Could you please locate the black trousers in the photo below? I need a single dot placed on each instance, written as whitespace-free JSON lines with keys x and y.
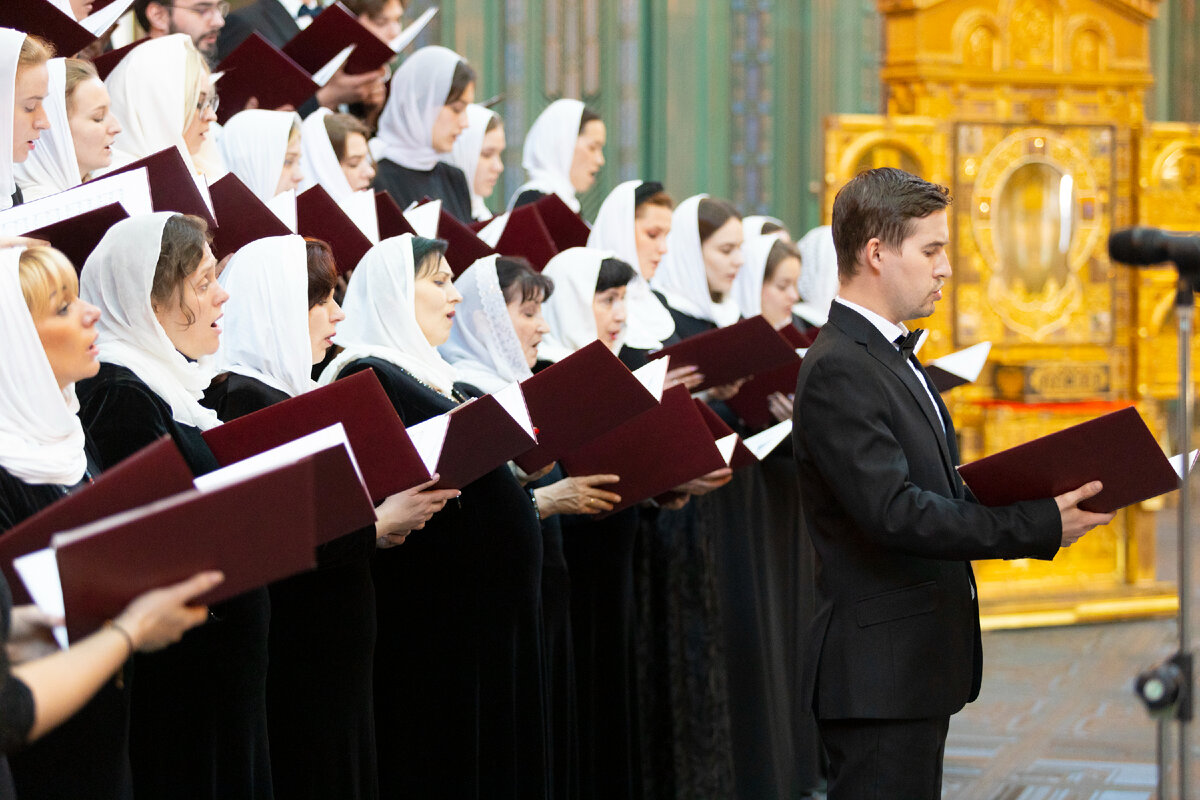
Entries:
{"x":885,"y":759}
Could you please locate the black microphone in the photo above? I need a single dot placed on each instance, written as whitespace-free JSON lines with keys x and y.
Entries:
{"x":1147,"y":246}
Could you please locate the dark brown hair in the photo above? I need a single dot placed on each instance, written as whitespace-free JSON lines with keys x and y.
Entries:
{"x":339,"y":126}
{"x":587,"y":116}
{"x":518,"y":279}
{"x":651,"y":193}
{"x":494,"y":121}
{"x":772,"y":227}
{"x":881,"y":204}
{"x":464,"y":76}
{"x":780,"y":251}
{"x":427,"y":254}
{"x":712,"y":214}
{"x":322,"y":271}
{"x":184,"y":238}
{"x":613,"y":273}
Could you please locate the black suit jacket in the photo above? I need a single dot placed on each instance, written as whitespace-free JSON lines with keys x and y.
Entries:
{"x":896,"y":632}
{"x":268,"y":17}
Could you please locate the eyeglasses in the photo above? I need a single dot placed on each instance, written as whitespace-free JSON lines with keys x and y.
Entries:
{"x":210,"y":103}
{"x":206,"y":9}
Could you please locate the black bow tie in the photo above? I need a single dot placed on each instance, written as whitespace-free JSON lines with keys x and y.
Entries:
{"x":308,"y":11}
{"x":908,"y":342}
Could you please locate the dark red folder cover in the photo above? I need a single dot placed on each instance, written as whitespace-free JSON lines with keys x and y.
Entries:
{"x":172,"y":187}
{"x":78,"y":236}
{"x":390,"y":217}
{"x":653,"y":452}
{"x":331,"y":32}
{"x":724,"y":355}
{"x":525,"y":234}
{"x":1117,"y":449}
{"x":256,"y":532}
{"x":319,"y":216}
{"x":566,"y":228}
{"x":241,"y":216}
{"x":150,"y":474}
{"x":585,"y":395}
{"x":942,"y":380}
{"x":742,"y":455}
{"x":258,"y":69}
{"x":105,"y":63}
{"x":481,"y":436}
{"x":388,"y":461}
{"x":750,"y":403}
{"x":464,"y":247}
{"x":43,"y":19}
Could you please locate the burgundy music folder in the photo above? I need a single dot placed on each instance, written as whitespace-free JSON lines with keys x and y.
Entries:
{"x":42,"y":18}
{"x":331,"y":31}
{"x":392,"y":221}
{"x":256,"y":532}
{"x":724,"y":355}
{"x":387,"y":459}
{"x":475,"y":438}
{"x":742,"y":455}
{"x":256,"y":68}
{"x":578,"y":399}
{"x":105,"y":63}
{"x":78,"y":236}
{"x":1117,"y":449}
{"x":242,"y":217}
{"x":525,"y":234}
{"x":152,"y":473}
{"x":653,"y":452}
{"x":567,"y":229}
{"x":464,"y":248}
{"x":319,"y":216}
{"x":172,"y":187}
{"x":750,"y":403}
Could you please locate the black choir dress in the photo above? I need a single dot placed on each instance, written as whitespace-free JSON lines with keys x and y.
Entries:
{"x":528,"y":197}
{"x":198,"y":724}
{"x":444,"y":182}
{"x":459,"y":685}
{"x":16,"y":701}
{"x":320,"y":715}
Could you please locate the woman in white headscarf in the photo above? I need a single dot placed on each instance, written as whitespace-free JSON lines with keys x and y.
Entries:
{"x":66,"y":701}
{"x":818,"y":283}
{"x":479,"y":152}
{"x":262,"y":148}
{"x":82,"y":131}
{"x":425,"y":112}
{"x":563,"y":152}
{"x":163,"y":95}
{"x":704,"y":254}
{"x":199,"y":710}
{"x":459,"y":690}
{"x":760,"y":225}
{"x":24,"y":81}
{"x":335,"y":156}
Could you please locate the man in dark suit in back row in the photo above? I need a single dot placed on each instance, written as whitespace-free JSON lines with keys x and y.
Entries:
{"x":895,"y":646}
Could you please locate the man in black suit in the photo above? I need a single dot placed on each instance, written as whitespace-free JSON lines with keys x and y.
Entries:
{"x":200,"y":19}
{"x":894,"y":647}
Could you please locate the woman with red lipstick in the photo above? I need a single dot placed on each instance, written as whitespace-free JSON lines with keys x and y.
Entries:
{"x":62,"y":708}
{"x":564,"y":151}
{"x":199,"y":710}
{"x":24,"y":85}
{"x":459,"y":684}
{"x":82,"y":131}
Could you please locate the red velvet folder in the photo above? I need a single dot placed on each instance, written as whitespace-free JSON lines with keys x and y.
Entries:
{"x":78,"y":236}
{"x":256,"y":68}
{"x":105,"y":63}
{"x":1116,"y":448}
{"x":387,"y":458}
{"x":319,"y":216}
{"x":242,"y":216}
{"x":750,"y":403}
{"x":724,"y":355}
{"x":42,"y":18}
{"x":172,"y":187}
{"x":332,"y":31}
{"x":392,"y":221}
{"x":585,"y":395}
{"x":480,"y":436}
{"x":150,"y":474}
{"x":256,"y":532}
{"x":566,"y":228}
{"x":653,"y":452}
{"x":742,"y":455}
{"x":464,"y":247}
{"x":525,"y":234}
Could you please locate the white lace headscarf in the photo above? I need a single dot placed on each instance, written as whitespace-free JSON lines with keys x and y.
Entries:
{"x":483,"y":346}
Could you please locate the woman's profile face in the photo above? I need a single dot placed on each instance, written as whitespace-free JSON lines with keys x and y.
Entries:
{"x":491,"y":162}
{"x":530,"y":326}
{"x":204,"y":114}
{"x":434,"y":299}
{"x":291,"y":176}
{"x":723,"y":256}
{"x":452,"y":121}
{"x":68,"y":334}
{"x":608,"y":307}
{"x":29,"y":115}
{"x":190,"y":319}
{"x":779,"y":293}
{"x":589,"y":156}
{"x":651,"y":224}
{"x":94,"y":127}
{"x":323,"y":319}
{"x":356,"y":163}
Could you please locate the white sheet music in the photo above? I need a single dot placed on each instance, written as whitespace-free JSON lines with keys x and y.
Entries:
{"x":764,"y":442}
{"x":322,"y":76}
{"x":428,"y":437}
{"x":106,"y":17}
{"x":276,"y":457}
{"x":412,"y":31}
{"x":130,"y":189}
{"x":39,"y":573}
{"x":424,"y":218}
{"x":360,"y":207}
{"x":653,"y":375}
{"x":283,"y":205}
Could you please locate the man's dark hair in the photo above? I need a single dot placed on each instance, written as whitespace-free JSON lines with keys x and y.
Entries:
{"x":881,"y":204}
{"x":139,"y":11}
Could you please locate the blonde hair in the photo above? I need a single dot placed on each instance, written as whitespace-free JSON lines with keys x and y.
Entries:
{"x":294,"y":133}
{"x":78,"y":71}
{"x":35,"y":51}
{"x":43,"y":272}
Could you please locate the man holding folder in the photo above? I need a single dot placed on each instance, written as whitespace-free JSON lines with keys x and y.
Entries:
{"x":895,"y":646}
